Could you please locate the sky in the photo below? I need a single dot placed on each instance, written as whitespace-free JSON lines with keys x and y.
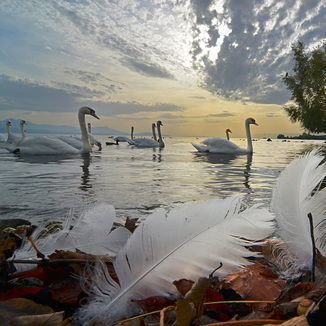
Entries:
{"x":199,"y":66}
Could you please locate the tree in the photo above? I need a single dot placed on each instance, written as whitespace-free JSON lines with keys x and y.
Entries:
{"x":308,"y":88}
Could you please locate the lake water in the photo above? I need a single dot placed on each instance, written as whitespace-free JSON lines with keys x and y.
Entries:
{"x":136,"y":181}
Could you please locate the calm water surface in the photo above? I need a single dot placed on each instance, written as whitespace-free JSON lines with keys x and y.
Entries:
{"x":136,"y":181}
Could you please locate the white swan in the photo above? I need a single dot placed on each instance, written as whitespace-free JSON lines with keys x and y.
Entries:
{"x":148,"y":142}
{"x":227,"y":133}
{"x":93,"y":141}
{"x":124,"y":139}
{"x":15,"y":139}
{"x":153,"y":131}
{"x":224,"y":146}
{"x":50,"y":145}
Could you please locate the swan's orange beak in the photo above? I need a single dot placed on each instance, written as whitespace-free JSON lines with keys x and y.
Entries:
{"x":94,"y":115}
{"x":255,"y":123}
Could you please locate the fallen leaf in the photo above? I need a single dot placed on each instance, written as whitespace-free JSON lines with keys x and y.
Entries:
{"x":183,"y":286}
{"x":255,"y":283}
{"x":13,"y":308}
{"x":53,"y":319}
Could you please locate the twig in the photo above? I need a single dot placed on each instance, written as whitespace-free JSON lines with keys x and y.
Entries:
{"x":313,"y":247}
{"x":57,"y":261}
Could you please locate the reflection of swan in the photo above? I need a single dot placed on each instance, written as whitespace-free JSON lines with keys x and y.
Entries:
{"x":227,"y":133}
{"x":50,"y":145}
{"x":220,"y":145}
{"x":148,"y":142}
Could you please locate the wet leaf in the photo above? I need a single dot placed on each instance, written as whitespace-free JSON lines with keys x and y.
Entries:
{"x":19,"y":292}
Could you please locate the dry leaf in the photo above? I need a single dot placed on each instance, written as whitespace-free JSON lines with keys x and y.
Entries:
{"x":256,"y":283}
{"x":185,"y":312}
{"x":183,"y":286}
{"x":13,"y":308}
{"x":53,"y":319}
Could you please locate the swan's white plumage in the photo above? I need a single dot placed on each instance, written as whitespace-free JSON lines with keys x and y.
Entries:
{"x":91,"y":233}
{"x":148,"y":142}
{"x":224,"y":146}
{"x":50,"y":145}
{"x":189,"y":242}
{"x":296,"y":194}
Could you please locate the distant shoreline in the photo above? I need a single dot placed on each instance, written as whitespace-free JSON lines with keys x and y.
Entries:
{"x":311,"y":137}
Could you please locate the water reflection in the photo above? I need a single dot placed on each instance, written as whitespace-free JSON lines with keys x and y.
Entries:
{"x":85,"y":178}
{"x":232,"y":168}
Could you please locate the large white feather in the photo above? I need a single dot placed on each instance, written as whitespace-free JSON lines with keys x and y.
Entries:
{"x":296,"y":194}
{"x":90,"y":234}
{"x":189,"y":242}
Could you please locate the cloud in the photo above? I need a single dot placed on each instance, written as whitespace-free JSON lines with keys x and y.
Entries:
{"x":26,"y":94}
{"x":256,"y":49}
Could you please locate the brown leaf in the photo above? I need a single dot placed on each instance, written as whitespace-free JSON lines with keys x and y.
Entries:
{"x":294,"y":292}
{"x":185,"y":312}
{"x":7,"y":245}
{"x":183,"y":286}
{"x":255,"y":283}
{"x":131,"y":224}
{"x":53,"y":319}
{"x":154,"y":303}
{"x":12,"y":308}
{"x":67,"y":291}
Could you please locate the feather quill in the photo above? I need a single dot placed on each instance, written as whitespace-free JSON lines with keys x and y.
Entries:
{"x":189,"y":242}
{"x":297,"y":193}
{"x":90,"y":234}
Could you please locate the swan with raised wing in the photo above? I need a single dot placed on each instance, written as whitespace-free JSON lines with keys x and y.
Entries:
{"x":224,"y":146}
{"x":148,"y":142}
{"x":50,"y":145}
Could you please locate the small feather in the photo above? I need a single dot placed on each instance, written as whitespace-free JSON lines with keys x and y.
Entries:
{"x":189,"y":242}
{"x":90,"y":234}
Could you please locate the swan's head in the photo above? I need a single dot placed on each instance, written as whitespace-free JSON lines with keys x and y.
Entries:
{"x":23,"y":122}
{"x":88,"y":110}
{"x":159,"y":123}
{"x":8,"y":123}
{"x":228,"y":130}
{"x":251,"y":121}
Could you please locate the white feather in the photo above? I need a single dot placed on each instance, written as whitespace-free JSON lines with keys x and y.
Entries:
{"x":189,"y":242}
{"x":91,"y":234}
{"x":296,"y":194}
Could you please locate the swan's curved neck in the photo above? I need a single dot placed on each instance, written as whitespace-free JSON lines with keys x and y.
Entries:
{"x":160,"y":139}
{"x":249,"y":141}
{"x":8,"y":128}
{"x":22,"y":130}
{"x":81,"y":118}
{"x":132,"y":133}
{"x":153,"y":131}
{"x":227,"y":135}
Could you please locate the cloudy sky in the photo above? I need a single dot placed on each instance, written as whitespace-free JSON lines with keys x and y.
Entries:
{"x":200,"y":66}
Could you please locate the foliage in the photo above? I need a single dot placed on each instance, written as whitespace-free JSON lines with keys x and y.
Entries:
{"x":308,"y":87}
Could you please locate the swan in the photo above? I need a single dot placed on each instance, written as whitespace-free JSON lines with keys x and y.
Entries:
{"x":51,"y":145}
{"x":148,"y":142}
{"x":153,"y":131}
{"x":227,"y":133}
{"x":14,"y":139}
{"x":224,"y":146}
{"x":124,"y":138}
{"x":93,"y":141}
